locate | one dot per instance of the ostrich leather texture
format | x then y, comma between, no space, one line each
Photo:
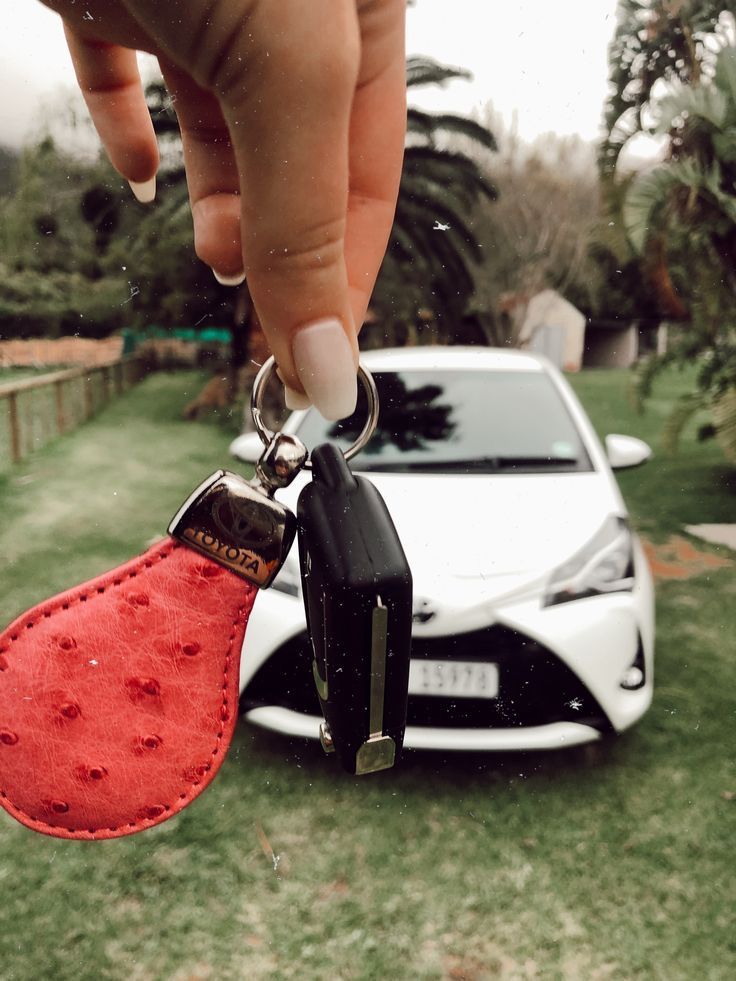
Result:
118,698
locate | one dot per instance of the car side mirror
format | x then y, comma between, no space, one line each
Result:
626,451
247,447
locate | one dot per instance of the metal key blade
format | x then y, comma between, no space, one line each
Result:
379,751
379,637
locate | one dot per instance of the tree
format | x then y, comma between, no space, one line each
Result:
428,272
51,228
680,215
657,42
539,233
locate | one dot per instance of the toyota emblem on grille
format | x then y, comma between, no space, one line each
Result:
422,611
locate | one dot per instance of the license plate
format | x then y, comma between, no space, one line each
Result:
454,679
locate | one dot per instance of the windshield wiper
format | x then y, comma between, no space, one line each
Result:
478,464
500,464
514,462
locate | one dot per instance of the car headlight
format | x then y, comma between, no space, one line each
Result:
604,565
289,579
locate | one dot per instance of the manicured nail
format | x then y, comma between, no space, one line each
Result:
323,359
295,400
145,191
229,280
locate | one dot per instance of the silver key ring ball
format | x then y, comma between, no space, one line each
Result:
266,434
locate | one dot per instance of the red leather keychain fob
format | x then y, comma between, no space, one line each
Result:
118,698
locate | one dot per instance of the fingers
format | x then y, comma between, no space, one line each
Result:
377,133
212,176
282,78
111,85
288,114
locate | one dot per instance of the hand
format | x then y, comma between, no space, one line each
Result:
292,114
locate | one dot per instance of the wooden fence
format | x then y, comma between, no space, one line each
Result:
36,410
32,352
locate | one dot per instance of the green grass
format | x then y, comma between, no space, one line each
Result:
476,867
693,485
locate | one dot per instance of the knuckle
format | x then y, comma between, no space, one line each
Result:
308,251
326,81
217,233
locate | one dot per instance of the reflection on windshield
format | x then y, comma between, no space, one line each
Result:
460,422
411,418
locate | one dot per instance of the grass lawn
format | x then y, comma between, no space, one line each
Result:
452,867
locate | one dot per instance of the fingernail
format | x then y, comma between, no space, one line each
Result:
145,191
323,359
295,400
229,280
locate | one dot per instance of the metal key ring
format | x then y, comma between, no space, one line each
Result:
259,386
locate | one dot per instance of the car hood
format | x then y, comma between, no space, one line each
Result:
481,537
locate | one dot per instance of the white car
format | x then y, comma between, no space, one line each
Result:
533,601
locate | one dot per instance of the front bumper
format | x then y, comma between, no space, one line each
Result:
561,670
556,735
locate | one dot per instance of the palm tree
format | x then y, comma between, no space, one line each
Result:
428,271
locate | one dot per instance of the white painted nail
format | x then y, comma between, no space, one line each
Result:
295,400
229,280
323,359
145,191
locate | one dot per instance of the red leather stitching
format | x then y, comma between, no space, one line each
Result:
148,563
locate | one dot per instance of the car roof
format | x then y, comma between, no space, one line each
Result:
452,358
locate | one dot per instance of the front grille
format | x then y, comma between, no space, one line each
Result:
535,687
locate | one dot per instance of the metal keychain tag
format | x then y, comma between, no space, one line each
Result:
236,521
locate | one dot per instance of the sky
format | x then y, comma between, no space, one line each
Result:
541,64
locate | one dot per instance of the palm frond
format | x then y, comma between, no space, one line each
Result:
419,122
641,379
725,78
429,124
405,246
705,102
685,408
418,214
650,191
448,167
427,71
724,145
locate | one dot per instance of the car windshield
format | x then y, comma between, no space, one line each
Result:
460,422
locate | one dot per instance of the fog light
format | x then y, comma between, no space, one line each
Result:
633,678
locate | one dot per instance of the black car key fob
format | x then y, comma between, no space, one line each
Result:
357,590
